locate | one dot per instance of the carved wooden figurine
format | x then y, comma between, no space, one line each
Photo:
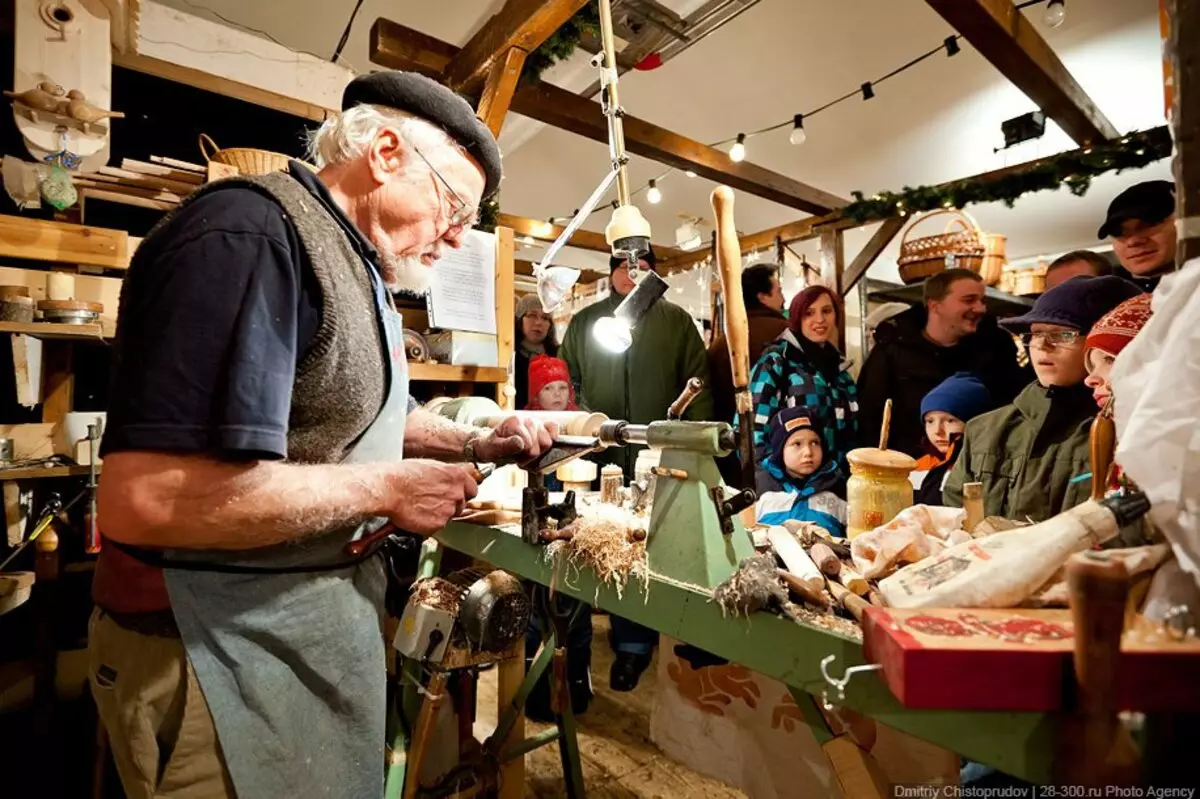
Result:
46,96
80,109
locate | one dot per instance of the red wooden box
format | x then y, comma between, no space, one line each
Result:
1018,660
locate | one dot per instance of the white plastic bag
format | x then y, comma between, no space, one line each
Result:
1156,385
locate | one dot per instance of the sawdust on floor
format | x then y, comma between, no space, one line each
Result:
619,761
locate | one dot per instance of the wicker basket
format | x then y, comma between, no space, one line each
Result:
1030,282
926,256
994,259
248,160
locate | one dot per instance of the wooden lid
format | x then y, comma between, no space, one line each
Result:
875,458
70,305
13,291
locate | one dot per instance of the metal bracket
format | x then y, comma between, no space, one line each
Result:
728,508
839,685
536,510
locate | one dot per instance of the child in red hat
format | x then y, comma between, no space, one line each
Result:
550,386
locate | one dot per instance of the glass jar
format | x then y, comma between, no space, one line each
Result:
878,488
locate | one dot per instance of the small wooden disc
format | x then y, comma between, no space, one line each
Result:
70,305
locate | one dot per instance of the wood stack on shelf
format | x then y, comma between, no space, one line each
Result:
159,184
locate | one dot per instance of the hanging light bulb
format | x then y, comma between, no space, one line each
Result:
653,195
1055,13
798,135
690,173
738,151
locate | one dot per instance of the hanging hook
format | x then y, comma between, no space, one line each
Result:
840,684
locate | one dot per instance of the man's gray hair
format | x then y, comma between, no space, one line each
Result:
346,136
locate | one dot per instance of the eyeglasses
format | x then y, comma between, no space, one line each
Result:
464,214
1052,339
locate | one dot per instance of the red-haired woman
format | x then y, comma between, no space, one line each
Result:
803,367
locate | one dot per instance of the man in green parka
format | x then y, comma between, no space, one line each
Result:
637,386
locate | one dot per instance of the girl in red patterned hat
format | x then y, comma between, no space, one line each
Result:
550,386
1107,338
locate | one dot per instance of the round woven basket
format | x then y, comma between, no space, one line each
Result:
925,256
248,160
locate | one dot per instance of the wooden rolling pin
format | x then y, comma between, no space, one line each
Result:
849,600
1095,748
826,561
973,505
1101,444
803,589
794,557
852,580
737,330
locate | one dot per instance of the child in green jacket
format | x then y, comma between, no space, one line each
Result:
1032,455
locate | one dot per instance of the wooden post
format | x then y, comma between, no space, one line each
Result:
833,267
498,90
1183,57
505,321
511,674
60,380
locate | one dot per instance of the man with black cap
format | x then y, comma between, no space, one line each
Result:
259,416
1141,223
636,385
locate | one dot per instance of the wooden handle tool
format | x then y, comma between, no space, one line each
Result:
826,561
737,329
1102,442
851,601
803,589
886,426
690,391
973,505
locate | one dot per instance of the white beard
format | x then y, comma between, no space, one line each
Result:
405,273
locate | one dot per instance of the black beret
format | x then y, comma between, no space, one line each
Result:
649,257
433,102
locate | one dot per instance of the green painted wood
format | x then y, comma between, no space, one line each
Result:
684,541
1021,744
812,715
699,437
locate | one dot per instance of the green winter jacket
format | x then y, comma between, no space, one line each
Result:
1028,454
639,384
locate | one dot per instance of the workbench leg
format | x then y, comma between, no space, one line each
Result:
568,750
512,774
857,772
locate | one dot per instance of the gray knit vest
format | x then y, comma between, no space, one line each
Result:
340,382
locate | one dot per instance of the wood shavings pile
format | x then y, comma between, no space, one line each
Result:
600,541
754,586
435,592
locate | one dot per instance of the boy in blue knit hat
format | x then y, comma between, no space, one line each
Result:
945,412
814,489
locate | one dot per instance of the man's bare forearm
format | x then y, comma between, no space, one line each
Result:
163,500
428,435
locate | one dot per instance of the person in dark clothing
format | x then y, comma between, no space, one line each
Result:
535,329
945,412
1075,263
763,296
1141,224
921,347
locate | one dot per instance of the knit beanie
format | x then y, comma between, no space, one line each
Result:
1077,303
786,422
962,395
546,369
528,303
1118,327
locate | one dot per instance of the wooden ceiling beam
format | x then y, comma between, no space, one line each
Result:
397,47
520,24
498,89
1013,45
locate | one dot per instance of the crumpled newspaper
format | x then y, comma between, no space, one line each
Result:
1156,386
915,534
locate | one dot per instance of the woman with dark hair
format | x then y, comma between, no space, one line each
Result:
803,367
535,336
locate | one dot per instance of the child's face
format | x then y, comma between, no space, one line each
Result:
1056,353
802,453
1099,365
939,426
555,396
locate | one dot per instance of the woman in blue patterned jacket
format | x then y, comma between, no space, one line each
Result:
804,368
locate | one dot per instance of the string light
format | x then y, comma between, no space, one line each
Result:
653,195
1055,13
798,135
738,151
951,45
867,91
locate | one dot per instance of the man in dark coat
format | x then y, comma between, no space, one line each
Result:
763,296
918,349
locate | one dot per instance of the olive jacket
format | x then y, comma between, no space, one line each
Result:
1031,455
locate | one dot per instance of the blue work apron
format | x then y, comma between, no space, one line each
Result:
292,665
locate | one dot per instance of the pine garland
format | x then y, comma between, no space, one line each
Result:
561,44
1075,168
489,214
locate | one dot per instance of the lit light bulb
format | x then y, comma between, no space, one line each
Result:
1055,13
653,195
615,335
690,173
738,151
798,135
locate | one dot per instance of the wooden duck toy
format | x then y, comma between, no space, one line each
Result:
46,96
80,109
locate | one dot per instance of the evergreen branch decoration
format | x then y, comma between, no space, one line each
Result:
489,214
1075,168
561,44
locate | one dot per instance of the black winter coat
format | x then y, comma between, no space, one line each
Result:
905,366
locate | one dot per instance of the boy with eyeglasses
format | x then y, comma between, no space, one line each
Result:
1032,455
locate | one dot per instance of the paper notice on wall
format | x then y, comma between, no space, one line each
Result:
462,292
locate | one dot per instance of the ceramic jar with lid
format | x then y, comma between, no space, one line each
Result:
878,488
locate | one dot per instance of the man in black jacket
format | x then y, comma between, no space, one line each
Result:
1141,224
918,349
